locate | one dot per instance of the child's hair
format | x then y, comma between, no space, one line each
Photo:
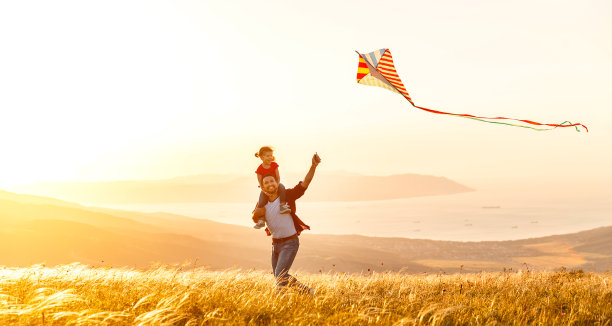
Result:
264,150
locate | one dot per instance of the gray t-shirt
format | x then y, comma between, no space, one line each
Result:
280,225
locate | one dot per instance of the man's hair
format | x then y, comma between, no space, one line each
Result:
268,175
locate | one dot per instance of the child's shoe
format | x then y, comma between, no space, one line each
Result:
260,224
285,209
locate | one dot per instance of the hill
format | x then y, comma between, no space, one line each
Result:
38,229
228,188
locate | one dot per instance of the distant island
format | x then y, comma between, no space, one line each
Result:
233,188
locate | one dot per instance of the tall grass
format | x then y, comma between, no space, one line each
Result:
78,294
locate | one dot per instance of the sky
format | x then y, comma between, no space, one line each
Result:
135,89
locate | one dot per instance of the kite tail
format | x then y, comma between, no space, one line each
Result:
377,69
521,126
486,119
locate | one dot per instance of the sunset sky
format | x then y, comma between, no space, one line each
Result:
148,89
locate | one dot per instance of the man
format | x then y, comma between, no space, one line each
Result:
285,228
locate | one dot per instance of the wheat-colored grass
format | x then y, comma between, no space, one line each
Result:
77,294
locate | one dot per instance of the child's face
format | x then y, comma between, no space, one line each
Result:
267,157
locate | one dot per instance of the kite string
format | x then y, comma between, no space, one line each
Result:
575,125
510,124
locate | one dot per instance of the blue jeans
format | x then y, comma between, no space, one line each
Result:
283,255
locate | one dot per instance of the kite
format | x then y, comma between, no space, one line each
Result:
377,69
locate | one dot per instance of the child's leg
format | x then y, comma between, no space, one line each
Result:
263,200
281,194
284,207
260,221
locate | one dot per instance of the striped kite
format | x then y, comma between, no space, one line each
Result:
377,69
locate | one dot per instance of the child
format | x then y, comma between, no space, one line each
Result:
268,166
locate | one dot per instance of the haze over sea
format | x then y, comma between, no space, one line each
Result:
472,216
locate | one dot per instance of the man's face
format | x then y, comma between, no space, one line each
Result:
270,185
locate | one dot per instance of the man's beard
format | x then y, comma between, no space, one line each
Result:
271,189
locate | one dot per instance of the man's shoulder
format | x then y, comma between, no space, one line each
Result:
297,191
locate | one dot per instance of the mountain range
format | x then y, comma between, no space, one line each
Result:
237,188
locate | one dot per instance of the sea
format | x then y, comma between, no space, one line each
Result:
472,216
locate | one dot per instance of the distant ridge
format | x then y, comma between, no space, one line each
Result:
228,188
43,230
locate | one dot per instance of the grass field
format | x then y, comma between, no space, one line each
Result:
78,294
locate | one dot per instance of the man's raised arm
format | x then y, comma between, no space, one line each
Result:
315,161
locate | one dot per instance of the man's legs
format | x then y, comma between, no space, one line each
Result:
283,255
274,259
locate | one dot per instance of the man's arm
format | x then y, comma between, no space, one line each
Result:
315,161
259,213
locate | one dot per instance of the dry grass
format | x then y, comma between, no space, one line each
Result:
78,294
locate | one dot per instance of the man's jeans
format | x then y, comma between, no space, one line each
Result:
283,255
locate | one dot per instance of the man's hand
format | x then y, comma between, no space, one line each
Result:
258,213
316,159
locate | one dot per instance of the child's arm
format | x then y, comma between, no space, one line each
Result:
277,176
260,180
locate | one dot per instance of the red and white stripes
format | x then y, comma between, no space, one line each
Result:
387,69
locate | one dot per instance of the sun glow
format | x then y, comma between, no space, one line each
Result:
144,90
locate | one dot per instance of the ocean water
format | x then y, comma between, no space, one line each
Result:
474,216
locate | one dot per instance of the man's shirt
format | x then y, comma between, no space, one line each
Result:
292,195
280,225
